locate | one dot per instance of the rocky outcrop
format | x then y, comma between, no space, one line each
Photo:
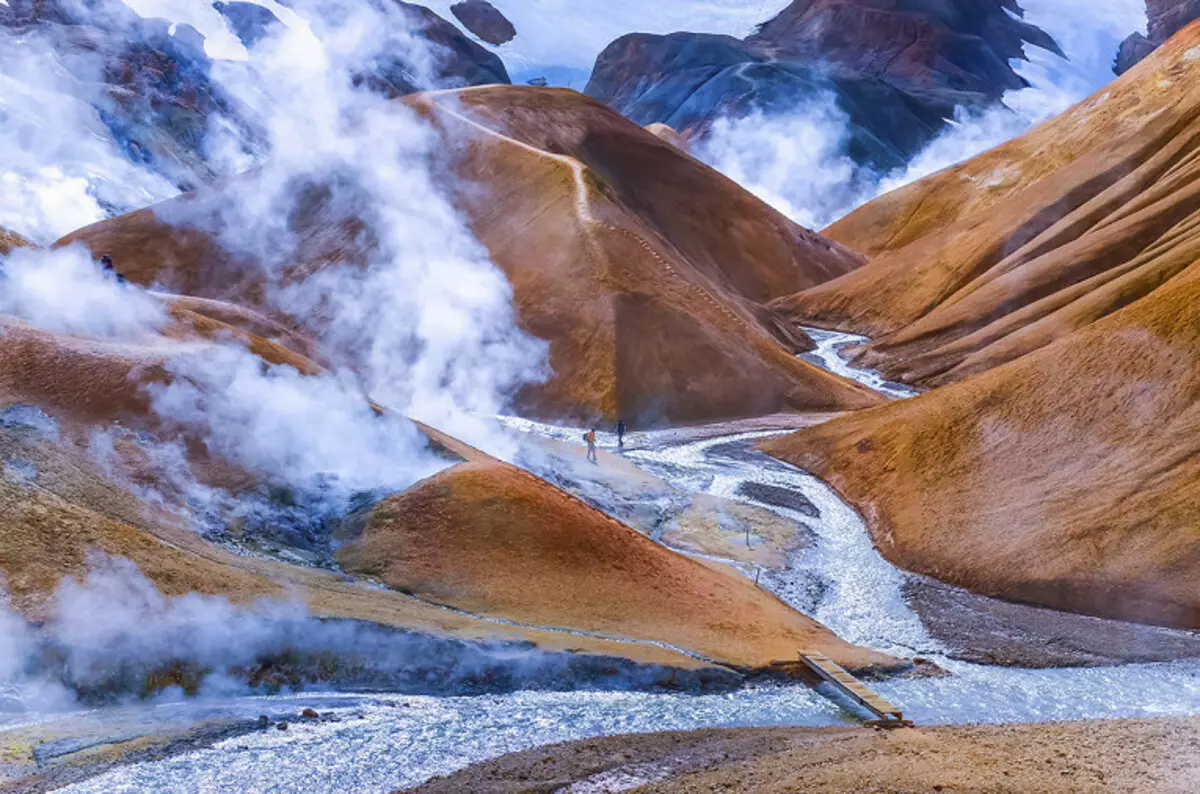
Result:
896,72
459,61
485,21
250,22
1053,282
644,269
1165,18
1132,52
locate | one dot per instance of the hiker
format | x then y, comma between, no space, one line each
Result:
590,438
621,434
107,269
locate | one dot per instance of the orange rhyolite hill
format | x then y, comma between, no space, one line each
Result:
1061,273
644,269
491,538
1005,253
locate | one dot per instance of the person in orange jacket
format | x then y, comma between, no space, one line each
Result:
590,438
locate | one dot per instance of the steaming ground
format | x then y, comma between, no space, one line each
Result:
59,167
381,742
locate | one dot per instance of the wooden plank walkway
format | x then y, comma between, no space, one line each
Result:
851,687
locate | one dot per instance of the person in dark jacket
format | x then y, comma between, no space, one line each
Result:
106,267
621,434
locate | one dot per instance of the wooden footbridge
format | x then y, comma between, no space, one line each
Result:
819,668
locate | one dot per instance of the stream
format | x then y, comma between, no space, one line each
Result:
385,741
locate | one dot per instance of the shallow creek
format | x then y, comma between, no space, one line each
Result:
385,741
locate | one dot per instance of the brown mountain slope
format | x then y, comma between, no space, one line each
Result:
59,503
989,260
1068,478
492,539
54,519
643,268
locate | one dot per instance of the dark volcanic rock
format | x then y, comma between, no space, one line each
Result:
779,497
688,80
1133,50
250,22
985,630
897,70
485,21
957,50
150,87
1165,18
459,61
1168,17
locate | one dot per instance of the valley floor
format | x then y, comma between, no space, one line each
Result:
1112,755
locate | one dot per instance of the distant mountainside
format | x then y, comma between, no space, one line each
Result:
896,70
1165,18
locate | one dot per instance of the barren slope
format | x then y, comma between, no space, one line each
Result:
58,504
991,259
1068,478
9,241
643,268
492,539
1105,755
499,542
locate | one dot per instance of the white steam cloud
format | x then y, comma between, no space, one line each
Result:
59,167
64,290
297,428
111,633
426,320
796,163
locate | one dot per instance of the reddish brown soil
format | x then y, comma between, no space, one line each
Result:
1119,755
492,539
